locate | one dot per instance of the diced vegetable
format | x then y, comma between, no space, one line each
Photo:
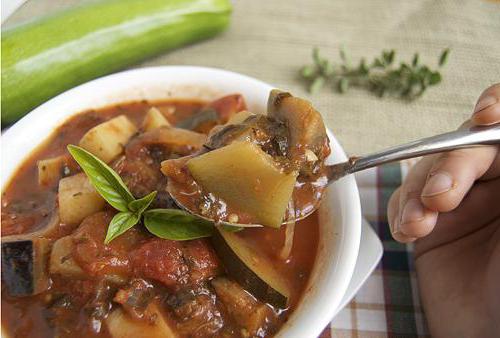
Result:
246,178
135,297
286,250
248,312
250,268
77,199
122,325
227,106
216,112
107,139
154,119
52,54
50,170
197,312
24,263
305,123
239,117
51,228
61,260
176,138
204,119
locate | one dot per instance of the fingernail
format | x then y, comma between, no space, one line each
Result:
485,102
413,211
488,116
395,226
437,183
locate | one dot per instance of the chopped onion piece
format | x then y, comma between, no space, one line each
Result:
286,250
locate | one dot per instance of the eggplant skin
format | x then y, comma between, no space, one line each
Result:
47,56
23,266
242,274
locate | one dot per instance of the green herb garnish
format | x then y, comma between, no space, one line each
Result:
381,76
171,224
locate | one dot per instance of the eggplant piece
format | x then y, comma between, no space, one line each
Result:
208,115
24,262
239,117
256,318
252,270
197,312
306,129
156,325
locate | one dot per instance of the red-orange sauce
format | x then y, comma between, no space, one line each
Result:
28,316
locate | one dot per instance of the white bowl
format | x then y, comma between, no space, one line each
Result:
340,212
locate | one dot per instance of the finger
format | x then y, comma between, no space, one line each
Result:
487,110
470,217
453,174
392,217
409,218
494,169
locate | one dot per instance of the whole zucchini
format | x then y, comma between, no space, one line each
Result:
44,57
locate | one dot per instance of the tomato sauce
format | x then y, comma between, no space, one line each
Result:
64,309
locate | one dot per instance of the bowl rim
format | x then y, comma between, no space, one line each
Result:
307,324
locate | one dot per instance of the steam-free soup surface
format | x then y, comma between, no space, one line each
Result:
138,285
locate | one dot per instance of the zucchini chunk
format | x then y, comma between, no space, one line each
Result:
24,262
252,270
77,199
61,261
122,325
107,139
247,178
154,119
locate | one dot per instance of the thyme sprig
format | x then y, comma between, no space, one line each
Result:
381,76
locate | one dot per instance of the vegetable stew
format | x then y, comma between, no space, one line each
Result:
73,267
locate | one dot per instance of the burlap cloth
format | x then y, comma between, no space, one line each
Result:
271,39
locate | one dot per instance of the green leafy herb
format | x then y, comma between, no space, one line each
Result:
104,179
170,224
140,205
176,225
381,76
120,223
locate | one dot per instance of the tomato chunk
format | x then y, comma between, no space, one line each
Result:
97,258
174,263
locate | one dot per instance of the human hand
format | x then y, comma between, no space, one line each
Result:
449,204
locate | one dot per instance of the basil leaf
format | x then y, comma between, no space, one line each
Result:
138,206
176,225
104,179
120,223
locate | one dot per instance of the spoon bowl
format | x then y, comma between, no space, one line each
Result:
462,138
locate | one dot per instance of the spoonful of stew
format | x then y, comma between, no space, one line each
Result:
269,170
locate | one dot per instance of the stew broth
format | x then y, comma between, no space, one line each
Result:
28,207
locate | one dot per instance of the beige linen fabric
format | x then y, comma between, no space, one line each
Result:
271,39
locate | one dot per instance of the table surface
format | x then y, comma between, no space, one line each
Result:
271,40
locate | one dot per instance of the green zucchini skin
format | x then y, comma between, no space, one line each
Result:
45,57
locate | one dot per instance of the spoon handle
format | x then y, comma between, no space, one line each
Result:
463,138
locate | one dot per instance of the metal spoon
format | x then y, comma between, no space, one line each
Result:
462,138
